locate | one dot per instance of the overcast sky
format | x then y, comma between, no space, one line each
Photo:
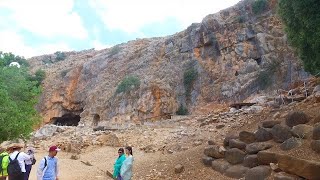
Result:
35,27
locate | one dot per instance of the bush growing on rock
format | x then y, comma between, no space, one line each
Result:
259,6
128,83
189,77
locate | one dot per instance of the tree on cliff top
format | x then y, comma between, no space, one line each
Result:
302,21
18,96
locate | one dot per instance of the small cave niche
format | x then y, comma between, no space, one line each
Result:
258,60
96,119
68,119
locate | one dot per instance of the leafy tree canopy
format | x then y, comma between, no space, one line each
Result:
18,96
302,21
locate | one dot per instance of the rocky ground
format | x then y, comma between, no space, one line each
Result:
161,147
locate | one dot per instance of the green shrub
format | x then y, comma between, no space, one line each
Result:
302,24
264,79
189,77
182,110
259,6
60,56
128,83
63,73
241,19
114,50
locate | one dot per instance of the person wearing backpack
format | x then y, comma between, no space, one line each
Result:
48,167
29,162
16,167
4,161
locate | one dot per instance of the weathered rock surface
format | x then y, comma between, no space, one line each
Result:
254,148
263,135
300,167
235,143
247,137
234,156
270,124
291,143
220,165
280,133
315,145
236,171
302,131
258,173
265,157
296,117
251,161
285,176
227,54
214,151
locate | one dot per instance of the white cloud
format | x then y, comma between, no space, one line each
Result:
12,42
130,16
46,18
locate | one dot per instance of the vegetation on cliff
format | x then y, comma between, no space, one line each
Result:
18,96
302,21
128,83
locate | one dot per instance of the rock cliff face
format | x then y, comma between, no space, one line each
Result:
235,53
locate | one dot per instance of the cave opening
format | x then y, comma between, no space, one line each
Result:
68,119
96,119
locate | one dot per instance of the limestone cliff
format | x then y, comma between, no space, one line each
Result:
235,53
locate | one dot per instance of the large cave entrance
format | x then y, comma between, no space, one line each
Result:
68,119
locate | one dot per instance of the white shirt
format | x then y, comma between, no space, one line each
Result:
21,158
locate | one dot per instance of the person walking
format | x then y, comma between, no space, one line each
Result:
29,162
118,164
4,162
48,167
126,168
16,167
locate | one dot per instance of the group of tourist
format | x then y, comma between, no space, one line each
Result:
123,166
17,165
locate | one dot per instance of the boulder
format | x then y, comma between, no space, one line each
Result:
234,156
227,139
285,176
220,165
263,135
178,168
316,132
302,131
258,173
254,148
296,117
214,151
291,143
280,133
316,119
265,157
247,137
109,140
235,143
46,131
236,171
207,160
300,167
251,161
270,124
315,145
